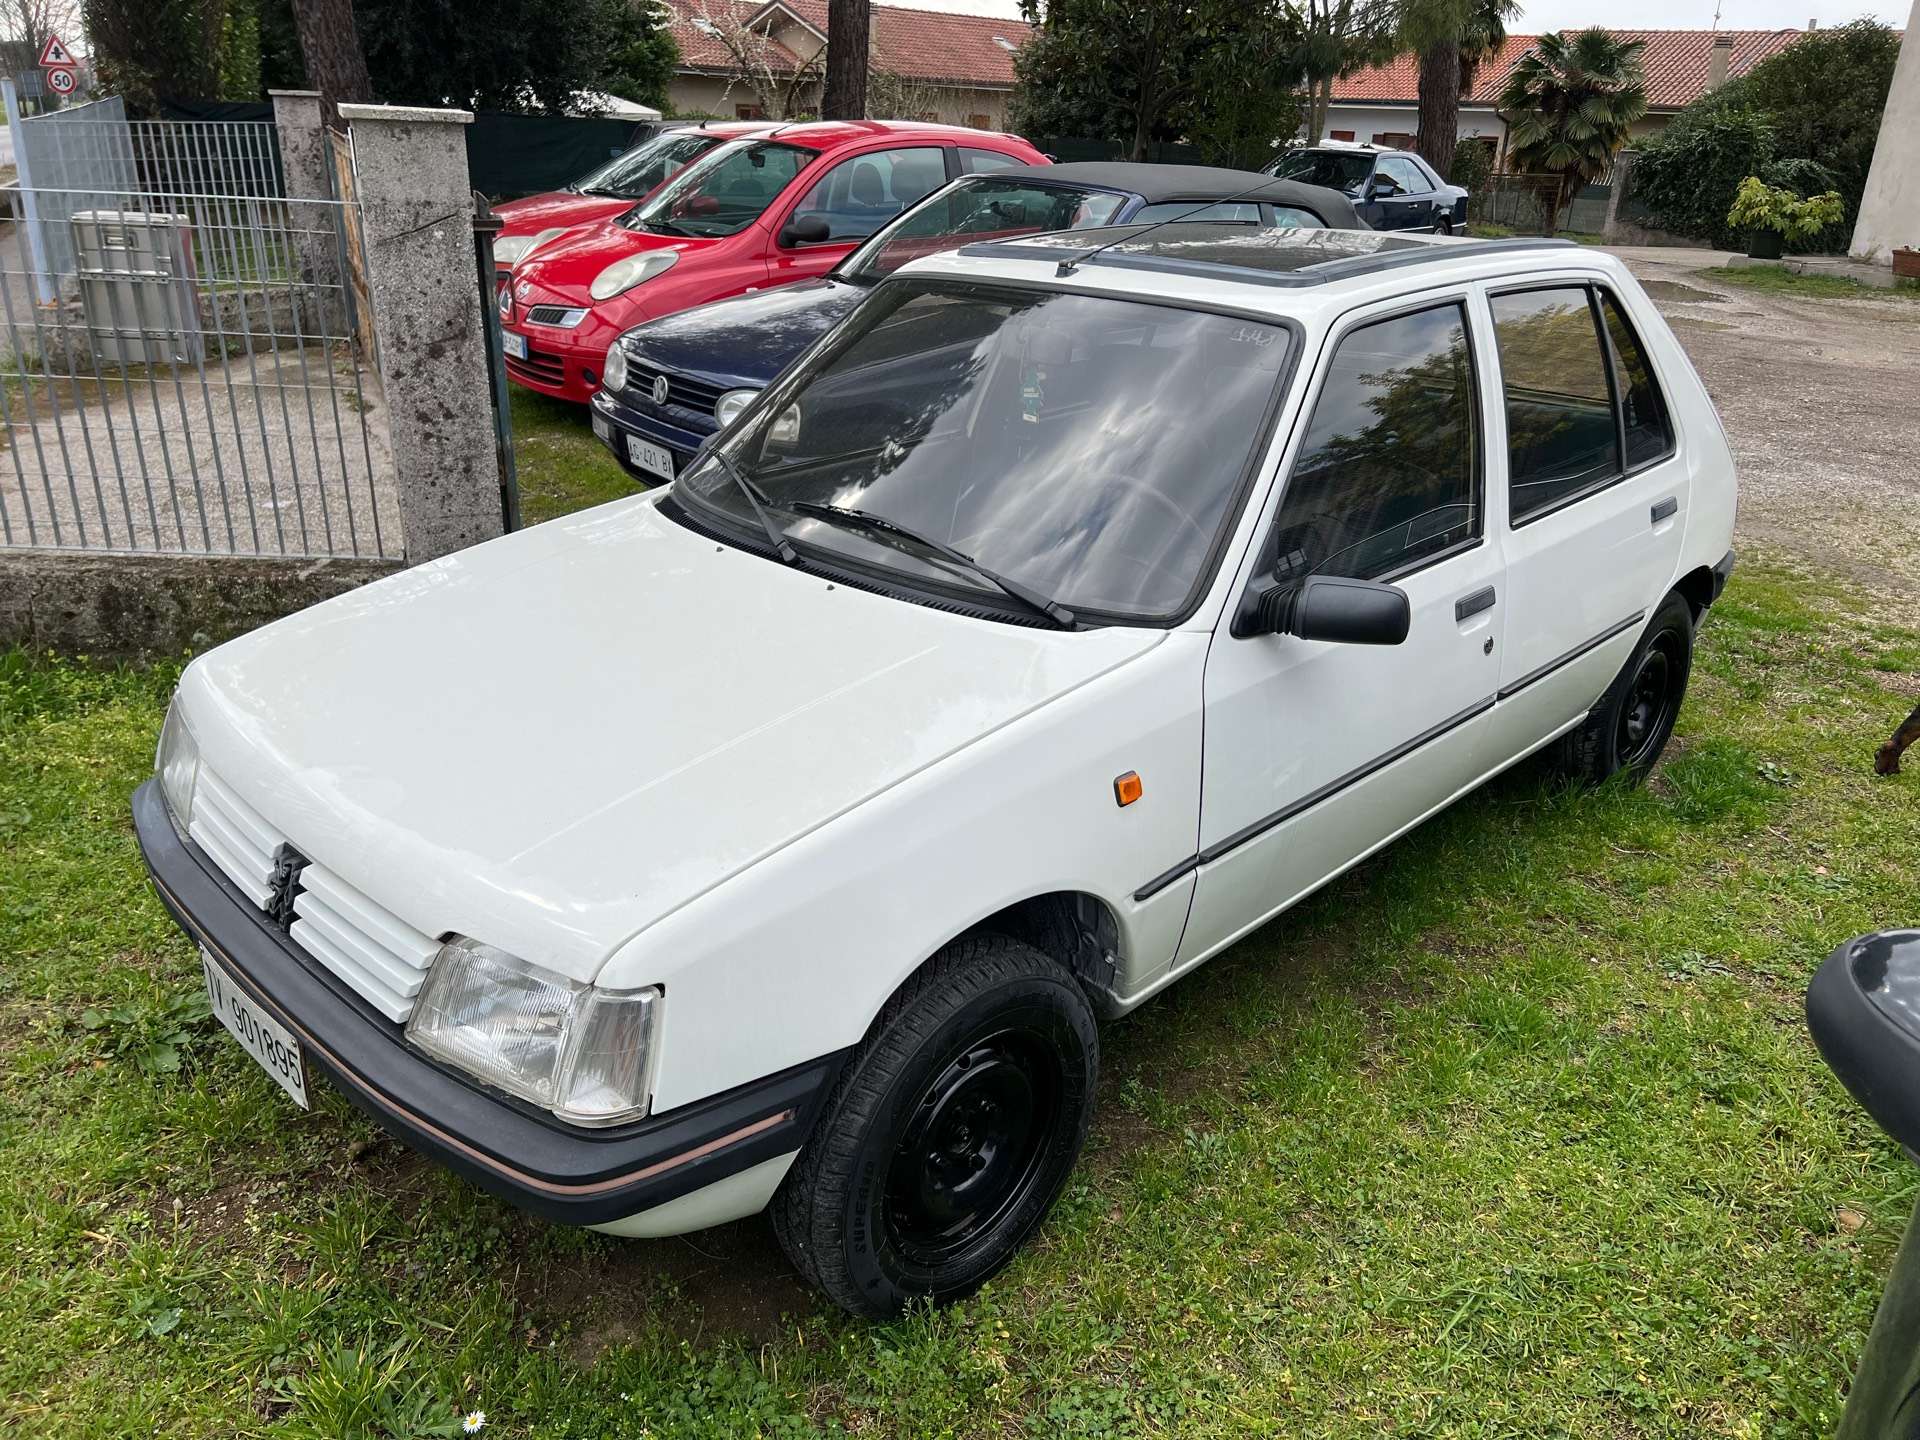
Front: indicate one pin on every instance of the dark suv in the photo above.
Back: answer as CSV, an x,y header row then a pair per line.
x,y
1392,189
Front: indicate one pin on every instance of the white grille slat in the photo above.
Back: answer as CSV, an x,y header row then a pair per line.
x,y
368,986
242,816
209,840
374,952
388,930
257,863
403,980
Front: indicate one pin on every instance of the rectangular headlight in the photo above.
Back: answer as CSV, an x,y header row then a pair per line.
x,y
178,765
577,1050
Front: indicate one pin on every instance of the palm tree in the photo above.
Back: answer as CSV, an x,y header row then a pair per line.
x,y
1569,105
1452,38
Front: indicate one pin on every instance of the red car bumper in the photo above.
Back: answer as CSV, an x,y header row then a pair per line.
x,y
564,363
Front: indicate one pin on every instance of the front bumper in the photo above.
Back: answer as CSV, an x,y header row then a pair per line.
x,y
582,1177
555,364
681,436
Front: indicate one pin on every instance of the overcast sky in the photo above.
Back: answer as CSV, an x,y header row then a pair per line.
x,y
1624,14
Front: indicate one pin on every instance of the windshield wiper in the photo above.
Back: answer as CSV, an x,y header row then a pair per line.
x,y
866,520
782,546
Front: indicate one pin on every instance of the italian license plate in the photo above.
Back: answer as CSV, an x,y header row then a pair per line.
x,y
656,459
514,345
259,1034
603,427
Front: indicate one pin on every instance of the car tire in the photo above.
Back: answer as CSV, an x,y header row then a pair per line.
x,y
1626,732
949,1134
1444,226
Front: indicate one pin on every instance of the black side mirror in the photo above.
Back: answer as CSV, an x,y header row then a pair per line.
x,y
804,230
1326,607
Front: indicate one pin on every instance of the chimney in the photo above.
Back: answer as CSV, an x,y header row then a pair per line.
x,y
1813,24
1719,61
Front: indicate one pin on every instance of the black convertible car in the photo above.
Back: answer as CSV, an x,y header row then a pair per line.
x,y
686,375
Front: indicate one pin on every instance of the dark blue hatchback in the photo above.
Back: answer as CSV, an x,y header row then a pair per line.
x,y
680,379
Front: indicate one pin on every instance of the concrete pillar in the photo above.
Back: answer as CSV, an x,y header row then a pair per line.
x,y
416,207
306,172
1890,209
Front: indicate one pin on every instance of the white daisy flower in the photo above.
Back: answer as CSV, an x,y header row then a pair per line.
x,y
474,1422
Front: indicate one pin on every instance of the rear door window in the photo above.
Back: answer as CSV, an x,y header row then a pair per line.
x,y
1389,472
985,162
1562,434
1405,174
1649,433
1198,211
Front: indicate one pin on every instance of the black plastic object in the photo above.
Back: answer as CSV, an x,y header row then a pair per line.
x,y
1864,1010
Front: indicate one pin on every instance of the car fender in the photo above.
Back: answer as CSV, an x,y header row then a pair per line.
x,y
793,958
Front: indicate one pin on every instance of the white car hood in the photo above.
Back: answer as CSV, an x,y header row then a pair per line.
x,y
550,741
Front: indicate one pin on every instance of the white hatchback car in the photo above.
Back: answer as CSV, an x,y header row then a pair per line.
x,y
1079,604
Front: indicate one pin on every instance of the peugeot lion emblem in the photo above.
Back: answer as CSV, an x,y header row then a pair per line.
x,y
659,389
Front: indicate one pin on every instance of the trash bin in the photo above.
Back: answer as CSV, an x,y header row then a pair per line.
x,y
136,286
1864,1011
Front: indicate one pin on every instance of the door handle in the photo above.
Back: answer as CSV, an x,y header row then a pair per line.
x,y
1470,605
1665,509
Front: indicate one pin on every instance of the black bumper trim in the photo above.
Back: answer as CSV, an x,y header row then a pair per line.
x,y
1722,572
582,1177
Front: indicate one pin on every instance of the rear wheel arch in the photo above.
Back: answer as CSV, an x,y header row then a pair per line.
x,y
1697,588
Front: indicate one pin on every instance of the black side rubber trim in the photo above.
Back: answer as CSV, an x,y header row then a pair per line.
x,y
579,1176
1308,801
1665,509
1399,752
1167,877
1722,572
1508,691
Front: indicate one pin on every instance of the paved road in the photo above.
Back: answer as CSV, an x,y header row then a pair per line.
x,y
1817,398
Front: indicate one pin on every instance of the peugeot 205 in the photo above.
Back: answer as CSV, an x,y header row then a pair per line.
x,y
1078,605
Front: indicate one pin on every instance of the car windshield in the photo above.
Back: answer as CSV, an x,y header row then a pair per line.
x,y
1335,169
982,207
722,192
638,173
1087,448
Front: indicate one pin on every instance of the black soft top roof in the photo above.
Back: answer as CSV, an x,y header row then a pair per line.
x,y
1240,252
1158,184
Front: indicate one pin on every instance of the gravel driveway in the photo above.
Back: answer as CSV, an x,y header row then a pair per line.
x,y
1818,400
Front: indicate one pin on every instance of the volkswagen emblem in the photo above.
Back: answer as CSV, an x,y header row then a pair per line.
x,y
659,389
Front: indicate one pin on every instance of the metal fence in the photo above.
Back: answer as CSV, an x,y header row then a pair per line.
x,y
1525,203
179,367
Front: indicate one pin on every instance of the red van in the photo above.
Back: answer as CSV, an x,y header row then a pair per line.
x,y
755,212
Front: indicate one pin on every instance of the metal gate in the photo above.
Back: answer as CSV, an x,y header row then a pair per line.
x,y
180,368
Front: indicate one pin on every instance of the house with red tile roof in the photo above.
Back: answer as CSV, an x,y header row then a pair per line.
x,y
1381,104
747,59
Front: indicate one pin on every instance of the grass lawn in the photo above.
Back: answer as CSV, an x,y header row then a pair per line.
x,y
1514,1131
1778,280
561,466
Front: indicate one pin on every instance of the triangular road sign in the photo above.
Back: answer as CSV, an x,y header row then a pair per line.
x,y
56,55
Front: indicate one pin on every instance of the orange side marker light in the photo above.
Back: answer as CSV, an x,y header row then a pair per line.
x,y
1127,788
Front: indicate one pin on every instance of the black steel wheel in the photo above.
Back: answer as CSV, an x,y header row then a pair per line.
x,y
974,1145
1651,703
950,1133
1627,731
